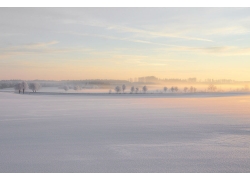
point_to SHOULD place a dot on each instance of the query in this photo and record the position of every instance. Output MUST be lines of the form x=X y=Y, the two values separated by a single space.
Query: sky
x=122 y=43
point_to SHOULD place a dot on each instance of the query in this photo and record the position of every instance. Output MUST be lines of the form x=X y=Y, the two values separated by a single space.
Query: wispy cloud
x=155 y=33
x=229 y=30
x=126 y=29
x=216 y=50
x=38 y=48
x=40 y=44
x=30 y=46
x=121 y=39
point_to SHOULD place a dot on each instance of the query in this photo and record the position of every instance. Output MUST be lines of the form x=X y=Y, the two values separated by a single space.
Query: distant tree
x=77 y=88
x=144 y=88
x=117 y=89
x=212 y=88
x=165 y=89
x=24 y=85
x=176 y=89
x=194 y=90
x=18 y=87
x=123 y=88
x=191 y=89
x=185 y=89
x=132 y=89
x=172 y=89
x=34 y=86
x=136 y=90
x=66 y=88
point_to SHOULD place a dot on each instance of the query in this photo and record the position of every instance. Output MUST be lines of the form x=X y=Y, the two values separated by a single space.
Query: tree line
x=23 y=86
x=133 y=89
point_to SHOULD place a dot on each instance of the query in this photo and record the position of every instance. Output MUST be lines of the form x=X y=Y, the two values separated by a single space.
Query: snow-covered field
x=44 y=132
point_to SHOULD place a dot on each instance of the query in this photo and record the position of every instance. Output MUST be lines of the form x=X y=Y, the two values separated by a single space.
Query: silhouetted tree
x=117 y=89
x=77 y=88
x=212 y=88
x=144 y=88
x=18 y=87
x=123 y=88
x=172 y=89
x=34 y=86
x=136 y=90
x=132 y=89
x=176 y=89
x=66 y=88
x=24 y=85
x=165 y=89
x=191 y=89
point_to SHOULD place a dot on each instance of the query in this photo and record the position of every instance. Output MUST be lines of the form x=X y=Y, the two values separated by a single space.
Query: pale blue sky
x=122 y=43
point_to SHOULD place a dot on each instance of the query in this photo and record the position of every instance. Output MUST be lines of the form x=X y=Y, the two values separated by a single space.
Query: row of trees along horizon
x=35 y=86
x=22 y=86
x=133 y=89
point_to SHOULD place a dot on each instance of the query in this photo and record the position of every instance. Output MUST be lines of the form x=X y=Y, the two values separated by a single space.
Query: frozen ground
x=45 y=132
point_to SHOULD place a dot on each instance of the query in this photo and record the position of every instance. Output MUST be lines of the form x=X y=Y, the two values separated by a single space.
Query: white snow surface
x=47 y=132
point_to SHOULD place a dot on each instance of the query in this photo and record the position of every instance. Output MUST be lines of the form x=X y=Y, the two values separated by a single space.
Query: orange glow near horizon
x=206 y=43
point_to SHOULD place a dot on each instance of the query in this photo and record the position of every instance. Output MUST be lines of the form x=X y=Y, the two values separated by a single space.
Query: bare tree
x=136 y=90
x=117 y=89
x=34 y=86
x=165 y=89
x=194 y=90
x=191 y=89
x=132 y=89
x=24 y=85
x=176 y=89
x=123 y=88
x=172 y=89
x=77 y=88
x=66 y=88
x=212 y=88
x=144 y=88
x=185 y=89
x=18 y=87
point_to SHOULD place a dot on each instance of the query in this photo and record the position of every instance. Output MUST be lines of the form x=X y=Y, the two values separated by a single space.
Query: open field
x=52 y=131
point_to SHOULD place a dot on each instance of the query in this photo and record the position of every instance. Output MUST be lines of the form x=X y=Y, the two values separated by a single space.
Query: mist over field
x=101 y=132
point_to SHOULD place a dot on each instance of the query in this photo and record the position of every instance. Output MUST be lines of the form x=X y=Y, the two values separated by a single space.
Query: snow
x=66 y=132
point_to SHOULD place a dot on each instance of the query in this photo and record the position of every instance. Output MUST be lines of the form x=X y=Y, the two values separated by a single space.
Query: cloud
x=120 y=39
x=229 y=30
x=216 y=50
x=30 y=46
x=126 y=29
x=157 y=33
x=40 y=44
x=38 y=48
